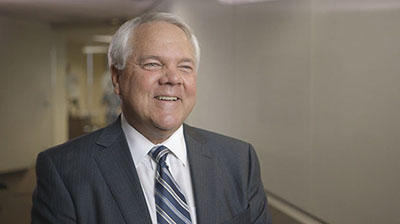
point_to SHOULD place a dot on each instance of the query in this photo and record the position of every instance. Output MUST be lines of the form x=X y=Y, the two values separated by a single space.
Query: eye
x=186 y=68
x=152 y=66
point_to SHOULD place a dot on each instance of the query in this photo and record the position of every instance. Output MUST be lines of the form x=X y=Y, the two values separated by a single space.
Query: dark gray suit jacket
x=93 y=180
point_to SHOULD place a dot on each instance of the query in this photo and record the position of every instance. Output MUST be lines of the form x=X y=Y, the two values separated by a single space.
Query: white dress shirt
x=146 y=167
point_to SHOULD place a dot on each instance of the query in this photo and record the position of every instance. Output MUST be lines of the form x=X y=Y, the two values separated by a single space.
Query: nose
x=171 y=76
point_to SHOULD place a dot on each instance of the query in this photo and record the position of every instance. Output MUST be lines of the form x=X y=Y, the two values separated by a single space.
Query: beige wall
x=254 y=84
x=316 y=90
x=214 y=108
x=356 y=107
x=59 y=104
x=28 y=84
x=272 y=70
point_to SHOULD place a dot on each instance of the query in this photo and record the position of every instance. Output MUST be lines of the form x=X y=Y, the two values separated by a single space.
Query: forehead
x=160 y=35
x=157 y=27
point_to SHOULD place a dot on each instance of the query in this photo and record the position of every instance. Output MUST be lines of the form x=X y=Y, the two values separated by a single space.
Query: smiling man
x=149 y=167
x=158 y=83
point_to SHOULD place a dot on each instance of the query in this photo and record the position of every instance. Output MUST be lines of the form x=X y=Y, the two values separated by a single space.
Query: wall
x=215 y=102
x=355 y=114
x=314 y=86
x=254 y=84
x=58 y=88
x=272 y=92
x=28 y=82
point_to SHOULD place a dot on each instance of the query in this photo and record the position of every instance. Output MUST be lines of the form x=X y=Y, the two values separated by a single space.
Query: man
x=149 y=167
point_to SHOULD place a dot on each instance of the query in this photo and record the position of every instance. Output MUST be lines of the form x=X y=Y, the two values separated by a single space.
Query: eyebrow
x=146 y=57
x=143 y=58
x=187 y=60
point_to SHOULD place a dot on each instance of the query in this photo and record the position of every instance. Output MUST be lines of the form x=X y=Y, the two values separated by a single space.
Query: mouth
x=167 y=98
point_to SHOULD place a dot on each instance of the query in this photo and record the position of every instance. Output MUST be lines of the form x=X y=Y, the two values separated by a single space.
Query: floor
x=16 y=199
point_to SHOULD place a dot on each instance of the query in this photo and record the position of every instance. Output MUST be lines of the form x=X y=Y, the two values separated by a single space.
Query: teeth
x=167 y=98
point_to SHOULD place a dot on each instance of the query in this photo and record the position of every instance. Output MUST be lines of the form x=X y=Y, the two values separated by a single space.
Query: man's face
x=158 y=85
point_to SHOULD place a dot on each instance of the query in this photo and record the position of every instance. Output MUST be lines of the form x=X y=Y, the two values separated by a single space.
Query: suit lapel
x=203 y=173
x=116 y=164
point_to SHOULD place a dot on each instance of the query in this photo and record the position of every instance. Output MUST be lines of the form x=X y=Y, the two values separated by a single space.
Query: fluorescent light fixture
x=239 y=2
x=102 y=38
x=95 y=50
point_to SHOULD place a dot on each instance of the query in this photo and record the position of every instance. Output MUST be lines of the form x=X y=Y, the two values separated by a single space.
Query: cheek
x=132 y=86
x=138 y=92
x=191 y=87
x=193 y=92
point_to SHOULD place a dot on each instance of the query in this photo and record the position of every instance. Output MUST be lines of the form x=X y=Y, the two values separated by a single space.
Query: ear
x=115 y=74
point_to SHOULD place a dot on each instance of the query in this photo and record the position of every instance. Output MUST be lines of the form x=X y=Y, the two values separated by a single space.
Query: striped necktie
x=171 y=206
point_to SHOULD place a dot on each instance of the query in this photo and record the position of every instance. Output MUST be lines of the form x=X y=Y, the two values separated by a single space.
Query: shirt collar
x=140 y=145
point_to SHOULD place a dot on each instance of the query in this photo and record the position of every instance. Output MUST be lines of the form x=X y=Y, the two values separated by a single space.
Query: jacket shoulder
x=85 y=144
x=75 y=145
x=217 y=141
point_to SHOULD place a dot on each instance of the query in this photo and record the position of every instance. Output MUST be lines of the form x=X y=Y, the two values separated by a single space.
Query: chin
x=168 y=124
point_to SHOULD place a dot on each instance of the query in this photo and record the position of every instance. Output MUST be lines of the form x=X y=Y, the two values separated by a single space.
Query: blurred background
x=314 y=85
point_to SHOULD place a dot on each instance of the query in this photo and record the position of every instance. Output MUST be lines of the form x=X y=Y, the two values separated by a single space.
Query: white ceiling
x=76 y=11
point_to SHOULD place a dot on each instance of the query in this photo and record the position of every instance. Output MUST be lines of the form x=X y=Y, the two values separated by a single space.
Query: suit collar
x=115 y=163
x=110 y=133
x=203 y=172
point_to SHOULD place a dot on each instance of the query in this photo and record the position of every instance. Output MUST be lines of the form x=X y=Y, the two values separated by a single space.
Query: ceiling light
x=102 y=38
x=95 y=50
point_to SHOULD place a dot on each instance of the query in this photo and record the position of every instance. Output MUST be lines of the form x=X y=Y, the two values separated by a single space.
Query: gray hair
x=120 y=47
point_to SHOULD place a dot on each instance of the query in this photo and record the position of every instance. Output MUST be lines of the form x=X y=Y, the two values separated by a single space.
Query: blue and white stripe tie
x=171 y=206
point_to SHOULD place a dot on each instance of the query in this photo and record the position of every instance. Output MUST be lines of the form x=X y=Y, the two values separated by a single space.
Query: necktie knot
x=159 y=154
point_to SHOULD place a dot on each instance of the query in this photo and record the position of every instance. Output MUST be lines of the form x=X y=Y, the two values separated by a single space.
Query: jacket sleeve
x=51 y=200
x=257 y=198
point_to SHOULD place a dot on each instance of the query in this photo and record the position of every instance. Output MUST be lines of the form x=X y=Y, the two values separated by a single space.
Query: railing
x=292 y=211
